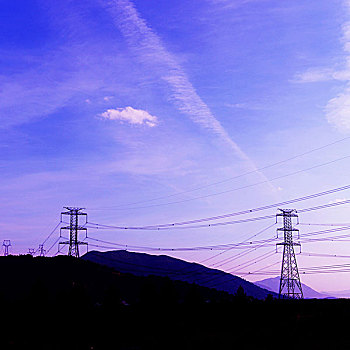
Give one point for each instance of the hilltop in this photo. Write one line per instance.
(142, 264)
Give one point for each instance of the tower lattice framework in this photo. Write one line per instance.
(74, 229)
(6, 244)
(290, 285)
(41, 250)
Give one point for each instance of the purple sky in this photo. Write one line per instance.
(103, 104)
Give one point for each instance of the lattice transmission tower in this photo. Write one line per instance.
(41, 250)
(31, 251)
(74, 229)
(290, 285)
(6, 244)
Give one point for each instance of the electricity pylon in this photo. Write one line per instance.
(31, 251)
(41, 250)
(290, 285)
(74, 229)
(6, 244)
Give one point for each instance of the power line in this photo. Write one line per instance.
(320, 268)
(155, 228)
(325, 255)
(226, 180)
(219, 275)
(53, 245)
(325, 239)
(240, 188)
(217, 217)
(319, 224)
(260, 232)
(152, 228)
(253, 261)
(262, 269)
(48, 237)
(248, 246)
(322, 232)
(244, 244)
(241, 254)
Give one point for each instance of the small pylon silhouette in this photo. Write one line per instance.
(31, 251)
(6, 244)
(41, 249)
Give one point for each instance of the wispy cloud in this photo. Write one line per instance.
(75, 66)
(130, 115)
(338, 108)
(148, 47)
(314, 75)
(232, 4)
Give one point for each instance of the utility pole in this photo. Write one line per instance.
(290, 285)
(31, 251)
(6, 244)
(74, 229)
(41, 250)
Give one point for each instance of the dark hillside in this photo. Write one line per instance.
(24, 276)
(65, 303)
(142, 264)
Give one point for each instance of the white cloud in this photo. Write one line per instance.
(130, 115)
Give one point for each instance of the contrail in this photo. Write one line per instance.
(148, 47)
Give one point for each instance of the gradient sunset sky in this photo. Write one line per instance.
(111, 105)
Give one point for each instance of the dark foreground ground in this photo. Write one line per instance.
(66, 303)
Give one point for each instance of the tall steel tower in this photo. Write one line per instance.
(6, 244)
(74, 229)
(290, 285)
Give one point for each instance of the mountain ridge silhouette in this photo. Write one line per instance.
(143, 264)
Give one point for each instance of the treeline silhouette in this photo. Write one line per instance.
(68, 303)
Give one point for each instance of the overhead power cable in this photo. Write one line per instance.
(240, 255)
(48, 250)
(253, 261)
(325, 255)
(223, 216)
(322, 268)
(339, 238)
(259, 270)
(322, 232)
(226, 180)
(50, 234)
(250, 244)
(241, 188)
(319, 224)
(246, 240)
(182, 226)
(210, 279)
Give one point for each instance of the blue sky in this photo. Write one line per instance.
(106, 103)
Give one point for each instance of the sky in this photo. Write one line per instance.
(147, 112)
